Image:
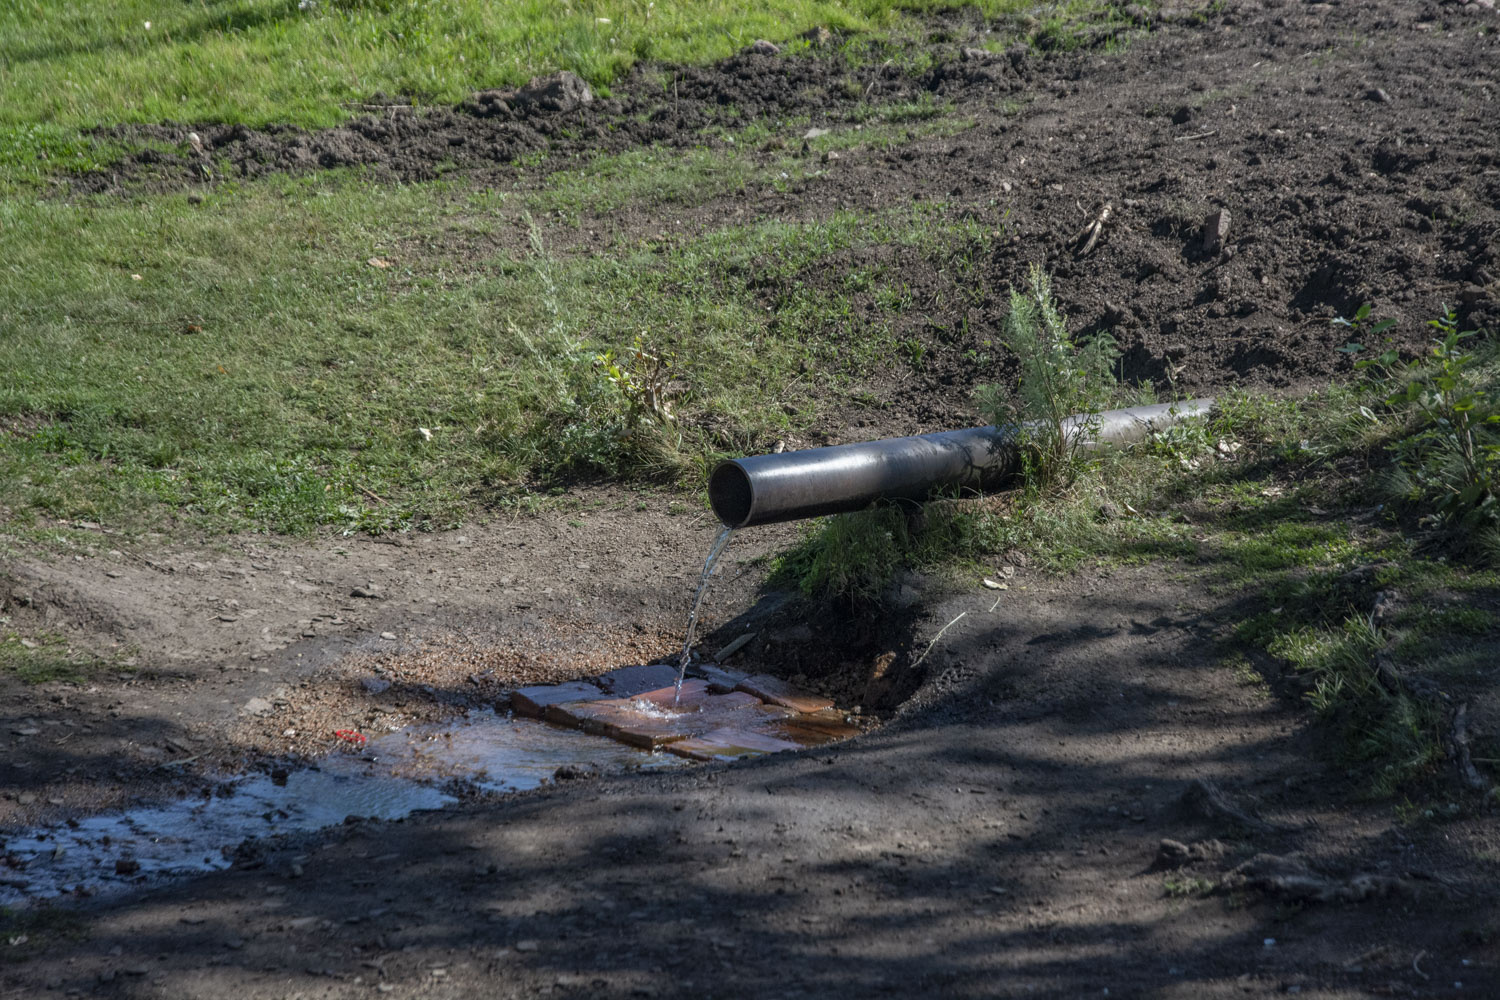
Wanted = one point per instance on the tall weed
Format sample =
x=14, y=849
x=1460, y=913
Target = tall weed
x=1060, y=379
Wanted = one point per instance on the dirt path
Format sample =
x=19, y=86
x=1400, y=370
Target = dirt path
x=1002, y=834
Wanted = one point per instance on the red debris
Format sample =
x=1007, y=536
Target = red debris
x=350, y=736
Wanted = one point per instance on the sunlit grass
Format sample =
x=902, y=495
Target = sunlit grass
x=83, y=63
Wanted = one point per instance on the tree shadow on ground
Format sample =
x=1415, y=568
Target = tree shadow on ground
x=995, y=838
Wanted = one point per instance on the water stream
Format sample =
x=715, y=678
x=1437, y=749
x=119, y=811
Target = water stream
x=392, y=776
x=715, y=551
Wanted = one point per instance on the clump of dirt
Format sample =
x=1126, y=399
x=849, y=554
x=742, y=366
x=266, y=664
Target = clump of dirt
x=489, y=133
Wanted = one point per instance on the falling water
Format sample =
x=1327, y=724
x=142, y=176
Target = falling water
x=720, y=544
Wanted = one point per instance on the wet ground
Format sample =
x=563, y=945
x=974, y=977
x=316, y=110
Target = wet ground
x=388, y=777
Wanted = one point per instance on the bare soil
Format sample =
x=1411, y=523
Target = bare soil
x=1003, y=832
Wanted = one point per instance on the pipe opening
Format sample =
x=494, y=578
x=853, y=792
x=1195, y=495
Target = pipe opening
x=730, y=494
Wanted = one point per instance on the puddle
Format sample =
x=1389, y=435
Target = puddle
x=392, y=776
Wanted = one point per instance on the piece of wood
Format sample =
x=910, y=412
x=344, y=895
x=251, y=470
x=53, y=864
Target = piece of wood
x=814, y=728
x=729, y=743
x=735, y=646
x=645, y=724
x=617, y=720
x=775, y=691
x=534, y=700
x=720, y=680
x=626, y=682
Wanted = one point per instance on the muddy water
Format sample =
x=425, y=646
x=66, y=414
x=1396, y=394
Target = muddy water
x=714, y=553
x=392, y=776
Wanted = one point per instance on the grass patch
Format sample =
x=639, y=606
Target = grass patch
x=286, y=355
x=24, y=934
x=262, y=61
x=660, y=177
x=45, y=656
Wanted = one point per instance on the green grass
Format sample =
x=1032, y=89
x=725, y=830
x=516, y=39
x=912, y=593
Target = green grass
x=81, y=63
x=45, y=656
x=686, y=178
x=241, y=361
x=27, y=933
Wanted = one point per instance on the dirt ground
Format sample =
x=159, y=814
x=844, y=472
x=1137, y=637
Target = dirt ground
x=1005, y=831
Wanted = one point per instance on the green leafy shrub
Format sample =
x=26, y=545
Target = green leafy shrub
x=1446, y=457
x=1059, y=380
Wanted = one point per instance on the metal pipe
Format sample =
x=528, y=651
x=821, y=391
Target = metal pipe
x=764, y=489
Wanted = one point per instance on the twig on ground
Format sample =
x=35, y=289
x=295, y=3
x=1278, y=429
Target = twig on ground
x=1196, y=135
x=179, y=763
x=935, y=638
x=1208, y=801
x=1086, y=237
x=1466, y=769
x=1417, y=968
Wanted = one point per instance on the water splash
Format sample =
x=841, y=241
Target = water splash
x=720, y=544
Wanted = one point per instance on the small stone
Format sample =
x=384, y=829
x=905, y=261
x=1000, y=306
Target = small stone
x=26, y=731
x=761, y=47
x=375, y=685
x=256, y=706
x=127, y=866
x=388, y=636
x=367, y=593
x=554, y=93
x=814, y=133
x=819, y=36
x=1215, y=231
x=26, y=798
x=527, y=945
x=1377, y=95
